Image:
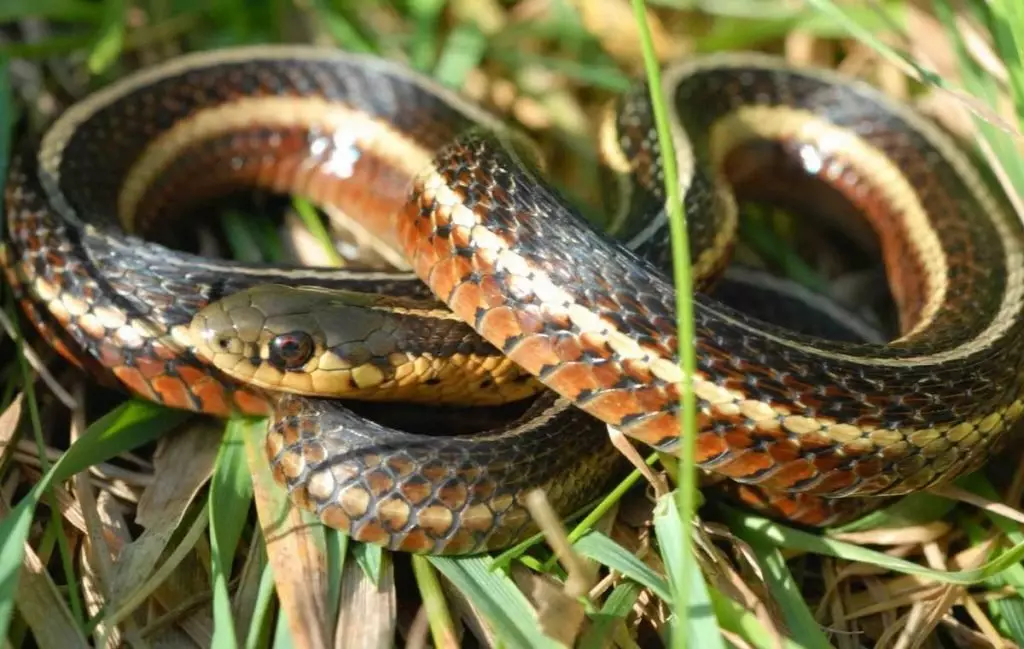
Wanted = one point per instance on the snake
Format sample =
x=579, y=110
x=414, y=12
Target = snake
x=512, y=300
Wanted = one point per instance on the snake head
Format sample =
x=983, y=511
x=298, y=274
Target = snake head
x=337, y=343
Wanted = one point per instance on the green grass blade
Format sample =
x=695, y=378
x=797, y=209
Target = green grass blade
x=607, y=552
x=316, y=227
x=14, y=529
x=463, y=51
x=242, y=240
x=784, y=590
x=261, y=608
x=126, y=427
x=336, y=545
x=282, y=634
x=65, y=10
x=230, y=500
x=733, y=617
x=1007, y=612
x=498, y=599
x=370, y=558
x=1007, y=28
x=915, y=509
x=110, y=41
x=981, y=85
x=441, y=626
x=865, y=34
x=734, y=34
x=754, y=528
x=344, y=33
x=425, y=15
x=697, y=621
x=686, y=492
x=616, y=608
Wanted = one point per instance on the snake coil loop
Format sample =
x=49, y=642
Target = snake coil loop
x=512, y=294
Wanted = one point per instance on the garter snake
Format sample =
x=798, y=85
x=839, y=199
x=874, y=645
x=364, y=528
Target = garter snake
x=513, y=293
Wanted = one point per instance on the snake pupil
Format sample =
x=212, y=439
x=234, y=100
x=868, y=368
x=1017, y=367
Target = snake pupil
x=291, y=350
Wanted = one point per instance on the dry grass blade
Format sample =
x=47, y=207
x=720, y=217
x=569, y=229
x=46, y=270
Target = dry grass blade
x=103, y=538
x=180, y=470
x=296, y=553
x=246, y=597
x=611, y=23
x=9, y=426
x=470, y=615
x=581, y=574
x=43, y=608
x=367, y=612
x=914, y=534
x=37, y=364
x=956, y=493
x=182, y=598
x=559, y=614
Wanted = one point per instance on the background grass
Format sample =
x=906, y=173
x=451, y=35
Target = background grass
x=158, y=528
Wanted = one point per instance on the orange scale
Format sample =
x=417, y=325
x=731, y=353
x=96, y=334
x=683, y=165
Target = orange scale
x=150, y=367
x=416, y=542
x=608, y=375
x=568, y=348
x=652, y=399
x=784, y=450
x=709, y=447
x=491, y=292
x=500, y=324
x=110, y=356
x=135, y=382
x=173, y=392
x=444, y=277
x=655, y=429
x=465, y=298
x=833, y=482
x=789, y=474
x=534, y=353
x=249, y=403
x=571, y=379
x=371, y=532
x=211, y=397
x=164, y=352
x=745, y=464
x=869, y=466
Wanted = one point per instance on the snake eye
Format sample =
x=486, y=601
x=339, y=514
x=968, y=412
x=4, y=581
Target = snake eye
x=291, y=350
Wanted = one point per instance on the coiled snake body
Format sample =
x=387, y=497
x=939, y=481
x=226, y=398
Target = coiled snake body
x=512, y=292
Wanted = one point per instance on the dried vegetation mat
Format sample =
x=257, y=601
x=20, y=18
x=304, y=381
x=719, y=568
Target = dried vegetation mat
x=124, y=523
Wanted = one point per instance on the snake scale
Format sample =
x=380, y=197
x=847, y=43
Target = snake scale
x=513, y=297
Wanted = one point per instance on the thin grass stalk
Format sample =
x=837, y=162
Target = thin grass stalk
x=686, y=492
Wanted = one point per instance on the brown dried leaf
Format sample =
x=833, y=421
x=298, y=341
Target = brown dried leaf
x=918, y=534
x=9, y=426
x=367, y=615
x=243, y=603
x=108, y=532
x=297, y=554
x=560, y=616
x=611, y=22
x=177, y=595
x=470, y=615
x=183, y=465
x=43, y=607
